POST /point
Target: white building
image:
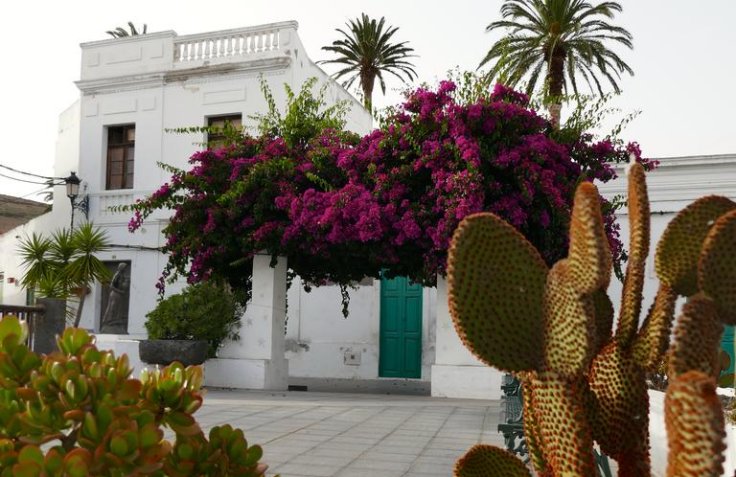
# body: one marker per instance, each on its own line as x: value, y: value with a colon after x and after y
x: 133, y: 89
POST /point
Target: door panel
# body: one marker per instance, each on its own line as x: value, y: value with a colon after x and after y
x: 400, y: 354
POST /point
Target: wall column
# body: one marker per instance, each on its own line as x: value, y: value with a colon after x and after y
x: 257, y: 360
x: 456, y: 373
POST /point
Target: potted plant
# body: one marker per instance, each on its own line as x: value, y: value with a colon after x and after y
x: 189, y: 327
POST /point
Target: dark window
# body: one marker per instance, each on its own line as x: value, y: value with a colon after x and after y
x: 221, y: 127
x: 120, y: 156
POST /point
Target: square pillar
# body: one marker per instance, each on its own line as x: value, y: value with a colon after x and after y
x: 257, y: 360
x: 456, y: 373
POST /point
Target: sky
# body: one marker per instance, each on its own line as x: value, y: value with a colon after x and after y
x: 683, y: 59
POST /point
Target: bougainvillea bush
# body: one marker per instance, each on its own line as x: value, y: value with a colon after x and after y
x: 342, y: 207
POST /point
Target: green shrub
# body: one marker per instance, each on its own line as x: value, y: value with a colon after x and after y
x: 77, y: 413
x: 205, y: 311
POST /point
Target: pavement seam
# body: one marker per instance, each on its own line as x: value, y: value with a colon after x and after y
x: 381, y: 439
x: 328, y: 440
x: 447, y: 418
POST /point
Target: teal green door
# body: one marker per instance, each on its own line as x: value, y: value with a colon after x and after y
x: 727, y: 346
x: 400, y: 346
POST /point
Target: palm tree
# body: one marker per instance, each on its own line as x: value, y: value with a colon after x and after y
x: 121, y: 32
x: 65, y: 265
x: 562, y: 38
x: 366, y: 52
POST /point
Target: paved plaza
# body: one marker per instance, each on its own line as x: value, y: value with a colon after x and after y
x: 355, y: 435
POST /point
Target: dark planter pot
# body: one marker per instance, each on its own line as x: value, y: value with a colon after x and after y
x: 165, y: 352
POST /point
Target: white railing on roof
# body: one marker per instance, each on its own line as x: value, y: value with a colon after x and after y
x: 227, y: 44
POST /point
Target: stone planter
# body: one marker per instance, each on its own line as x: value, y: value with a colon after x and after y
x: 164, y: 352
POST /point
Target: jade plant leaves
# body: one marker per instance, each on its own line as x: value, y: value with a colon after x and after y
x: 76, y: 412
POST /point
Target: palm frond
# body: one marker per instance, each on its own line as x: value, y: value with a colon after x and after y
x: 121, y: 32
x: 366, y: 50
x: 577, y: 31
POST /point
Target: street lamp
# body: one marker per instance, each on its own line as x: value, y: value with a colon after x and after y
x: 72, y: 191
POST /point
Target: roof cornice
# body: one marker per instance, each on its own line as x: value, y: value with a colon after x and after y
x: 160, y: 78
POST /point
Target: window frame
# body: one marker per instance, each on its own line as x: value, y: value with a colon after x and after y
x: 128, y: 165
x: 218, y: 140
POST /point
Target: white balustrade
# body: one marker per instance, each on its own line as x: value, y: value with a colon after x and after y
x: 102, y: 204
x: 228, y: 44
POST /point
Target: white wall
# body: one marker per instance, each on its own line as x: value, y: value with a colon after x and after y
x: 320, y: 341
x: 139, y: 81
x: 676, y: 183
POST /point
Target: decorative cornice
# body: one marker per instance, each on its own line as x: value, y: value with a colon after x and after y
x: 160, y: 78
x: 678, y: 181
x: 688, y: 161
x: 121, y: 83
x: 210, y: 70
x: 129, y: 39
x: 679, y: 161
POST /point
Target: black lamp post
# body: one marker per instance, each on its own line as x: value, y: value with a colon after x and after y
x: 72, y: 191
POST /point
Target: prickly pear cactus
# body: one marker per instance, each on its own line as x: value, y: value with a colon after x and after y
x: 553, y: 328
x: 76, y: 413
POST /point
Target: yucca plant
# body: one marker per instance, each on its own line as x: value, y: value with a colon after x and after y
x: 65, y: 265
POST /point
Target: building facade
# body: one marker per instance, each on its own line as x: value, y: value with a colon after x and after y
x: 398, y: 335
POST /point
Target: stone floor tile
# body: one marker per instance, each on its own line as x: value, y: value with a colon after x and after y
x: 311, y: 470
x: 352, y: 435
x: 380, y: 466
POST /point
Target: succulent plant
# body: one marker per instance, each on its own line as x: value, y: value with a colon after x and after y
x: 77, y: 412
x: 582, y: 383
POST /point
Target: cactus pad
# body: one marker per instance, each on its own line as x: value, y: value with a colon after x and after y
x: 678, y: 251
x: 495, y: 287
x: 603, y: 319
x: 560, y: 411
x: 487, y: 461
x: 620, y: 423
x: 532, y: 433
x: 587, y: 385
x: 717, y: 268
x: 590, y: 255
x: 697, y: 337
x: 695, y: 427
x: 651, y: 343
x: 638, y: 250
x: 569, y: 338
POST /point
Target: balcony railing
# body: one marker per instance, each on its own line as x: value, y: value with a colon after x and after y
x: 141, y: 58
x: 103, y: 204
x: 227, y: 45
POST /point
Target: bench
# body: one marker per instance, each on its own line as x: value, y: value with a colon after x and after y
x: 512, y: 425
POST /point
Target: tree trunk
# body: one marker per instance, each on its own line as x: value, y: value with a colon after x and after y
x: 366, y: 82
x: 555, y: 110
x: 78, y: 318
x: 555, y: 81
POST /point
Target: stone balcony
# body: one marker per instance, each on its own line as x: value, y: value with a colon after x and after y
x: 163, y: 55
